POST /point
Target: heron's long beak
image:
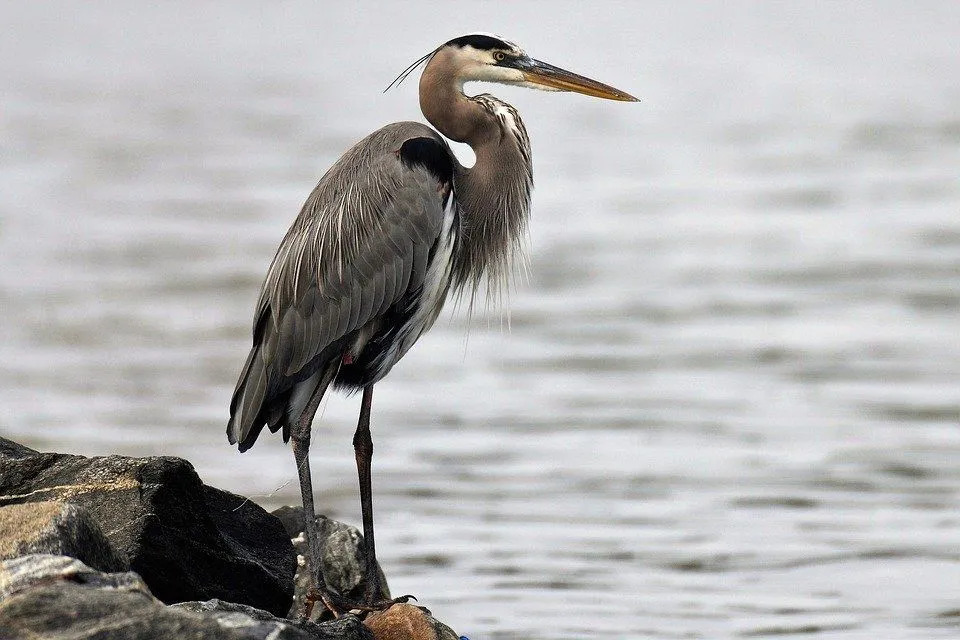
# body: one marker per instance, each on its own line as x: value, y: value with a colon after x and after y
x: 551, y: 77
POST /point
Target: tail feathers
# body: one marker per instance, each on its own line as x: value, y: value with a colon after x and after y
x: 251, y: 409
x: 246, y: 407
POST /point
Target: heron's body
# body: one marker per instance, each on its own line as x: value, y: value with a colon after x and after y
x: 361, y: 274
x: 389, y: 231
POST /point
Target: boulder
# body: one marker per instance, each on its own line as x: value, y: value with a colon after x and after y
x: 37, y: 570
x: 60, y: 598
x: 188, y: 541
x: 56, y: 597
x: 342, y: 559
x: 56, y: 528
x: 11, y: 449
x: 69, y: 612
x: 259, y: 624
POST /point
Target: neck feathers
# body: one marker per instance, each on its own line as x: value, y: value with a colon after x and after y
x: 494, y: 199
x: 493, y: 196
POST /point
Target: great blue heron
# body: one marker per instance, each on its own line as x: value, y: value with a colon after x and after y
x: 392, y: 228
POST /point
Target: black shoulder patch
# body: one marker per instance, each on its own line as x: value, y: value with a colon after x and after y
x: 431, y: 154
x: 479, y: 41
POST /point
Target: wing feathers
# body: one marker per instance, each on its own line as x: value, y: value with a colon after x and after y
x: 361, y: 240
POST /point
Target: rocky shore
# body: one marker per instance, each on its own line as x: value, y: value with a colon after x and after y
x: 117, y: 548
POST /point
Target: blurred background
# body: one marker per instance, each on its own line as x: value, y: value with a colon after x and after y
x: 727, y: 402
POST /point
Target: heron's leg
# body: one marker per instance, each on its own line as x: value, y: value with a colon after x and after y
x: 363, y: 448
x: 300, y: 437
x: 363, y: 445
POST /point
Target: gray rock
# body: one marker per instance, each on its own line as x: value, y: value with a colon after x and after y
x: 260, y: 624
x: 56, y: 597
x: 291, y: 518
x: 70, y: 612
x: 57, y: 528
x: 11, y: 449
x: 342, y: 560
x: 37, y: 570
x: 188, y: 541
x: 60, y: 598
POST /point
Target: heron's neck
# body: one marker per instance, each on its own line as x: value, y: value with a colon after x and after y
x: 494, y: 195
x: 447, y: 108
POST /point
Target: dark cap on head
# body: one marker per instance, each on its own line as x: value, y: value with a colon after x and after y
x: 479, y: 41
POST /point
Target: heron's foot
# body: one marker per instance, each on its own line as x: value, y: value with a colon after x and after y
x: 338, y: 605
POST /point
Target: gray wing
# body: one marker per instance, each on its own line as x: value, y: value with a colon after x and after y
x: 362, y: 239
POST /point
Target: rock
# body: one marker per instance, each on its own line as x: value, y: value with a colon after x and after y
x: 11, y: 449
x: 407, y: 622
x: 30, y: 571
x: 70, y: 612
x: 342, y: 559
x: 256, y: 623
x: 188, y: 541
x: 291, y: 518
x: 56, y: 528
x: 60, y: 598
x: 56, y: 597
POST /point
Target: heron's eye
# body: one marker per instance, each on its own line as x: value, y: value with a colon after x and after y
x: 499, y: 56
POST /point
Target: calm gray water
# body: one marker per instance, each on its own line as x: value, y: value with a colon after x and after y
x: 727, y: 404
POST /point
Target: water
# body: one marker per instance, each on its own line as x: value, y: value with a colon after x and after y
x: 728, y: 401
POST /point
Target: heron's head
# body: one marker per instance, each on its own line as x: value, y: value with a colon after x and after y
x: 485, y: 57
